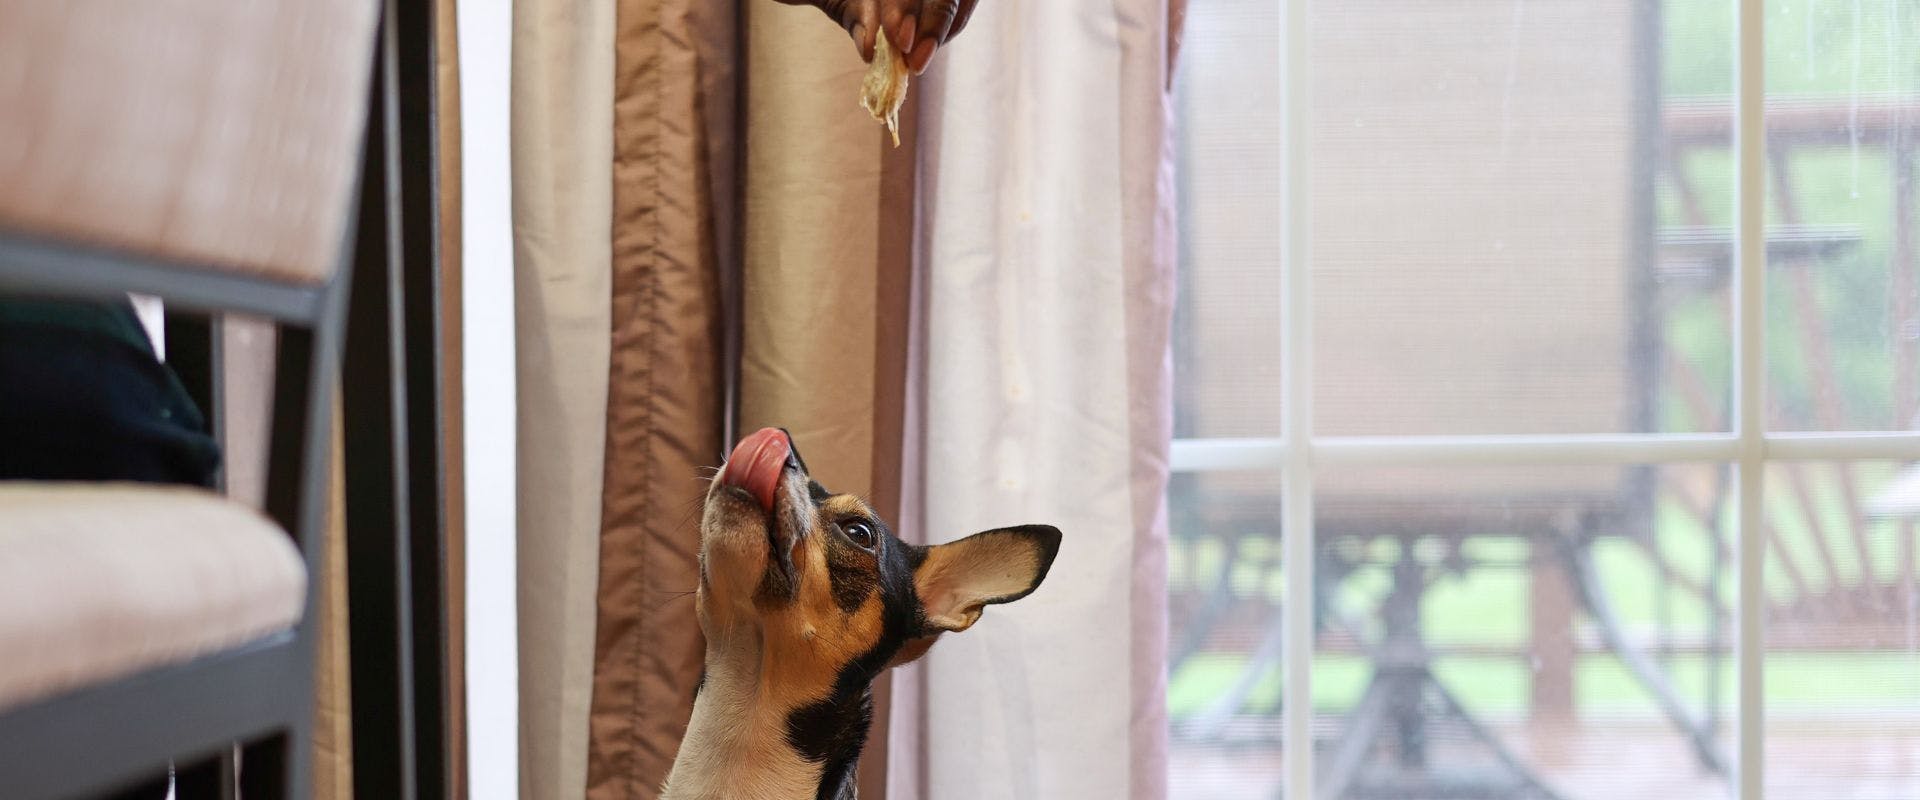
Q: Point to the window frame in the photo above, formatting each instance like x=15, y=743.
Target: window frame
x=1298, y=452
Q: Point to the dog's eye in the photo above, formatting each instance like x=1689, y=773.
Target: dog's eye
x=860, y=532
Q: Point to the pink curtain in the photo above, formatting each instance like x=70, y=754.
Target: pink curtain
x=1039, y=392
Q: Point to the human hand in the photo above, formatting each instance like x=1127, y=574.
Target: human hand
x=915, y=27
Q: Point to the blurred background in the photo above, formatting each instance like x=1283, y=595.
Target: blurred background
x=1522, y=224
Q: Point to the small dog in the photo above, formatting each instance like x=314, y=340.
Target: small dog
x=805, y=597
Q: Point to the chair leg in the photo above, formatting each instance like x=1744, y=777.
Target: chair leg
x=279, y=768
x=203, y=780
x=300, y=760
x=265, y=773
x=151, y=789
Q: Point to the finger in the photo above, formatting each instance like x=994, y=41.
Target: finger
x=898, y=23
x=960, y=21
x=921, y=56
x=936, y=19
x=837, y=9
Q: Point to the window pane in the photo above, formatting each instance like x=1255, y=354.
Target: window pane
x=1227, y=325
x=1497, y=248
x=1843, y=123
x=1843, y=636
x=1225, y=588
x=1492, y=632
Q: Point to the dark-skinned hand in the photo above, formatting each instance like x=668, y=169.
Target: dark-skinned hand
x=915, y=27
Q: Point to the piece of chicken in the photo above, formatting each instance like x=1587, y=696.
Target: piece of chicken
x=885, y=88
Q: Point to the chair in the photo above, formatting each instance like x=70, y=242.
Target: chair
x=208, y=153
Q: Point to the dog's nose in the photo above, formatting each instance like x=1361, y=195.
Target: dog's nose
x=757, y=464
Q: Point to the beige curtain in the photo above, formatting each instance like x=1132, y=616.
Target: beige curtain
x=1041, y=394
x=562, y=162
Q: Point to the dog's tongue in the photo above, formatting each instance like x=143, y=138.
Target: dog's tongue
x=757, y=463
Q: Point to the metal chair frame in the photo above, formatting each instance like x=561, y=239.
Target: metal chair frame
x=258, y=696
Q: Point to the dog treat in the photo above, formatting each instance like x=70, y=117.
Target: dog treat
x=885, y=87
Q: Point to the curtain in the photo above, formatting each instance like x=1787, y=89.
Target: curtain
x=446, y=86
x=707, y=224
x=333, y=691
x=624, y=162
x=562, y=213
x=674, y=98
x=1041, y=394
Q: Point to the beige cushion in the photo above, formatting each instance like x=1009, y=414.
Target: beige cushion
x=99, y=581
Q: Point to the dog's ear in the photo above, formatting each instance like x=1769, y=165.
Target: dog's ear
x=957, y=580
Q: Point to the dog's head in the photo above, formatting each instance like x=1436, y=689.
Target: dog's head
x=820, y=583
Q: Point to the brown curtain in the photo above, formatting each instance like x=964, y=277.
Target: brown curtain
x=446, y=86
x=332, y=718
x=674, y=150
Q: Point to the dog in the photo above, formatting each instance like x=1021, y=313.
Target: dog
x=805, y=597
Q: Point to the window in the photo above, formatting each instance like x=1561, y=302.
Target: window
x=1578, y=460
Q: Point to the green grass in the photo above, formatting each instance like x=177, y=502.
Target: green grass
x=1488, y=606
x=1499, y=686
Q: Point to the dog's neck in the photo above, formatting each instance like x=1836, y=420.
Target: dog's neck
x=753, y=739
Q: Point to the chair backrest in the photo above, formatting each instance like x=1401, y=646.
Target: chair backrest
x=217, y=135
x=207, y=152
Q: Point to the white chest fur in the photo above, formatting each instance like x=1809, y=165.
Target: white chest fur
x=736, y=746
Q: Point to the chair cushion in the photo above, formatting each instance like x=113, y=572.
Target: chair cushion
x=100, y=581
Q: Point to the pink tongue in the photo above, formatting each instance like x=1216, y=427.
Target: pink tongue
x=757, y=463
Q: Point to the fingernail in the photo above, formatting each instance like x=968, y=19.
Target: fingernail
x=922, y=56
x=908, y=27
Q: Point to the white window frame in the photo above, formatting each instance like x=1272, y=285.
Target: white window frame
x=1297, y=452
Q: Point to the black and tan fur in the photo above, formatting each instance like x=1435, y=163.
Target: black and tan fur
x=801, y=615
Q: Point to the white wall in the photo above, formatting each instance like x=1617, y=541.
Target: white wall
x=485, y=31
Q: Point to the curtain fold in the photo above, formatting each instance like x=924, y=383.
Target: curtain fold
x=562, y=211
x=446, y=99
x=1040, y=394
x=674, y=102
